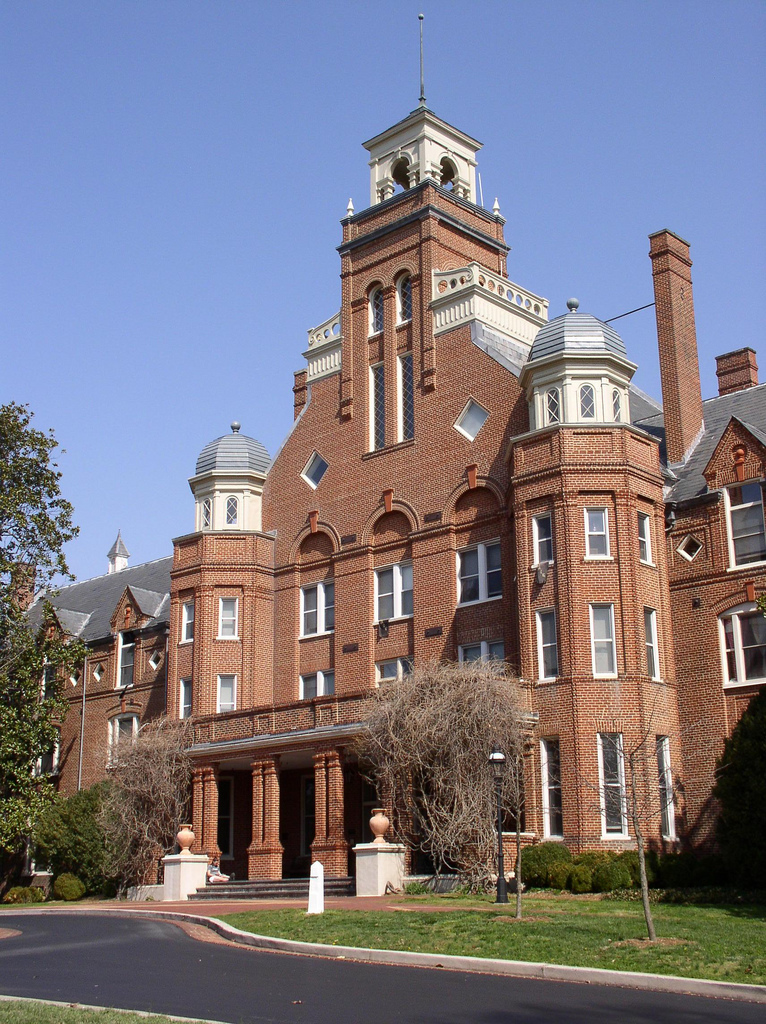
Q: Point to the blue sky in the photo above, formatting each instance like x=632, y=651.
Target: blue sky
x=175, y=173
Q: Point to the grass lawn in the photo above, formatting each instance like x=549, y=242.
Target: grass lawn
x=26, y=1012
x=721, y=942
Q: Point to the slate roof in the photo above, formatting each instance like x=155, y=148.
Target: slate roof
x=748, y=406
x=118, y=548
x=233, y=453
x=85, y=609
x=576, y=334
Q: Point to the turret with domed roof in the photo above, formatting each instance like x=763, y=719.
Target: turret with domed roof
x=228, y=482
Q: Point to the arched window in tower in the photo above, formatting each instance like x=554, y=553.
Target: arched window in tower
x=448, y=178
x=552, y=405
x=616, y=405
x=207, y=513
x=587, y=402
x=400, y=172
x=376, y=311
x=404, y=299
x=232, y=511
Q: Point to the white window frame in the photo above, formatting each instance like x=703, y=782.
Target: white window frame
x=373, y=329
x=184, y=684
x=400, y=317
x=482, y=572
x=733, y=563
x=187, y=622
x=537, y=540
x=684, y=542
x=539, y=613
x=650, y=636
x=221, y=634
x=645, y=537
x=315, y=457
x=225, y=675
x=400, y=361
x=55, y=755
x=612, y=639
x=548, y=832
x=735, y=614
x=458, y=424
x=232, y=505
x=206, y=514
x=580, y=395
x=403, y=668
x=484, y=645
x=121, y=646
x=398, y=591
x=592, y=533
x=555, y=394
x=114, y=729
x=622, y=833
x=321, y=608
x=667, y=795
x=322, y=683
x=616, y=405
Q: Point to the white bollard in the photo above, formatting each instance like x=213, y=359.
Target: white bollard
x=316, y=889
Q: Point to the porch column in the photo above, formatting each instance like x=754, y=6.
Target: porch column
x=197, y=808
x=210, y=812
x=264, y=854
x=330, y=846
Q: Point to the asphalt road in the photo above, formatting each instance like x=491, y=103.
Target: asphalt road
x=153, y=965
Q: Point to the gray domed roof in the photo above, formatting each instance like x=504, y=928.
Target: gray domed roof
x=233, y=453
x=576, y=334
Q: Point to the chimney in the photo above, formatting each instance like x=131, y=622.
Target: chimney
x=736, y=371
x=677, y=339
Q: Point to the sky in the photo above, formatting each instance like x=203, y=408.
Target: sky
x=174, y=175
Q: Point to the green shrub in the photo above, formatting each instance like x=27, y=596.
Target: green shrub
x=68, y=887
x=24, y=894
x=592, y=858
x=611, y=875
x=537, y=860
x=678, y=870
x=581, y=878
x=630, y=859
x=417, y=889
x=558, y=875
x=70, y=840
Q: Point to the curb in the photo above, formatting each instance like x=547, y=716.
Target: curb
x=107, y=1009
x=471, y=964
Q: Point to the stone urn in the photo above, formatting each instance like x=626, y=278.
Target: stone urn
x=379, y=824
x=185, y=839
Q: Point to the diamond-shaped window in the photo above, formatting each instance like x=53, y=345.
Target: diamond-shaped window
x=315, y=469
x=471, y=420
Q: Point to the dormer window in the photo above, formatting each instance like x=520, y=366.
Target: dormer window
x=127, y=657
x=207, y=514
x=376, y=311
x=552, y=405
x=232, y=511
x=616, y=405
x=587, y=402
x=403, y=299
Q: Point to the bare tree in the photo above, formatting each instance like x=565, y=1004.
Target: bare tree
x=148, y=800
x=427, y=744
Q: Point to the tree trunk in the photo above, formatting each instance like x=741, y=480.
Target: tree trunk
x=518, y=864
x=641, y=852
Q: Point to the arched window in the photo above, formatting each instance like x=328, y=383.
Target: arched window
x=376, y=311
x=400, y=172
x=448, y=177
x=207, y=513
x=587, y=402
x=552, y=405
x=616, y=405
x=232, y=511
x=403, y=299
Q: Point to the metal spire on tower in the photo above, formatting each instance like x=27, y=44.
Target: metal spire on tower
x=422, y=81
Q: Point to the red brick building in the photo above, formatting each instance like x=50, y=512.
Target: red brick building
x=464, y=479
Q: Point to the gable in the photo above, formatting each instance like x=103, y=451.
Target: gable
x=739, y=455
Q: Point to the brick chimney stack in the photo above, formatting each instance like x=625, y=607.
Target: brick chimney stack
x=677, y=338
x=736, y=371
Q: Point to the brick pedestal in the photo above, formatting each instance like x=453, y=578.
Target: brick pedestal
x=264, y=854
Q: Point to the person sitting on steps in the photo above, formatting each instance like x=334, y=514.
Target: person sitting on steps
x=214, y=873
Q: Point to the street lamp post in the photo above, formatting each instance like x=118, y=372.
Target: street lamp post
x=497, y=763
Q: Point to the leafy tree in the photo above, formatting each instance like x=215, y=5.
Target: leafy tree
x=35, y=523
x=741, y=790
x=427, y=743
x=70, y=839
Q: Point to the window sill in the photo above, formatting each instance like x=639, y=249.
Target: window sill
x=610, y=675
x=598, y=558
x=481, y=600
x=403, y=323
x=235, y=638
x=735, y=684
x=185, y=643
x=316, y=636
x=619, y=837
x=649, y=565
x=536, y=565
x=747, y=567
x=375, y=334
x=398, y=618
x=388, y=448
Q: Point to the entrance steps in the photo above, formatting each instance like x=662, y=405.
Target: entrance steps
x=273, y=889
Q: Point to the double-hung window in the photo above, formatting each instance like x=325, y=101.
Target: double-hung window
x=479, y=574
x=227, y=693
x=228, y=615
x=596, y=533
x=396, y=668
x=317, y=684
x=547, y=644
x=743, y=635
x=318, y=608
x=405, y=399
x=393, y=592
x=603, y=647
x=665, y=778
x=611, y=764
x=185, y=698
x=746, y=523
x=550, y=766
x=127, y=657
x=484, y=650
x=187, y=621
x=644, y=538
x=122, y=729
x=542, y=538
x=650, y=635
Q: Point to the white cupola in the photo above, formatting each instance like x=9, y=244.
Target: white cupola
x=228, y=483
x=578, y=372
x=421, y=148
